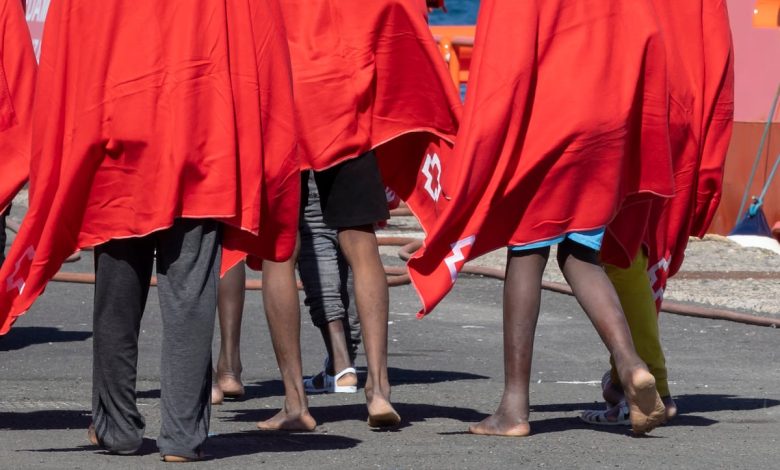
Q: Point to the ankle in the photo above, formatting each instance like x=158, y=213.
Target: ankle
x=229, y=364
x=337, y=366
x=295, y=408
x=347, y=379
x=628, y=368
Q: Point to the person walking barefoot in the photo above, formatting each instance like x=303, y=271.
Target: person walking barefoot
x=552, y=144
x=368, y=78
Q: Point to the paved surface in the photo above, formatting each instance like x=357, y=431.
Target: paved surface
x=447, y=373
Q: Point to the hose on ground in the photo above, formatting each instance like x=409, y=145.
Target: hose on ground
x=398, y=276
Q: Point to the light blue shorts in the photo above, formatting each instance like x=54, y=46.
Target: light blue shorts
x=589, y=238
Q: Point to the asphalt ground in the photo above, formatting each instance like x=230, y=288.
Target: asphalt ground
x=447, y=373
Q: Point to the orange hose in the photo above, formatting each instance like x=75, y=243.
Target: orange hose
x=398, y=276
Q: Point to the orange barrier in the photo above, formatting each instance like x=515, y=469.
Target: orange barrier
x=766, y=14
x=456, y=44
x=739, y=161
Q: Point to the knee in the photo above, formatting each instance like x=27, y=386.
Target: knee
x=353, y=237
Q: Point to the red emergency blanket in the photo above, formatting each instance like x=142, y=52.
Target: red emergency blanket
x=701, y=113
x=370, y=76
x=17, y=84
x=565, y=122
x=366, y=73
x=147, y=111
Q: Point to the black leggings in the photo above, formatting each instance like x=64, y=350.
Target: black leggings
x=565, y=249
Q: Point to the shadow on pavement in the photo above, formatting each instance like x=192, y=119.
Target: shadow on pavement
x=689, y=406
x=223, y=446
x=148, y=394
x=561, y=424
x=702, y=403
x=275, y=387
x=45, y=419
x=695, y=403
x=413, y=376
x=265, y=389
x=410, y=413
x=24, y=336
x=570, y=423
x=236, y=444
x=148, y=447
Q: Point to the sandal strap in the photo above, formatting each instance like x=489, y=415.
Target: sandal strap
x=600, y=416
x=348, y=370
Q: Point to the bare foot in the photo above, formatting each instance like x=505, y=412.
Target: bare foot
x=671, y=407
x=230, y=384
x=647, y=411
x=381, y=413
x=385, y=418
x=180, y=459
x=93, y=439
x=92, y=435
x=283, y=421
x=500, y=424
x=216, y=395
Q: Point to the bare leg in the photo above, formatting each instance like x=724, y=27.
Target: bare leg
x=361, y=250
x=231, y=309
x=594, y=291
x=334, y=335
x=280, y=297
x=522, y=296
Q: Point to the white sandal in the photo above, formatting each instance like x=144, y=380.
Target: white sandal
x=602, y=417
x=330, y=382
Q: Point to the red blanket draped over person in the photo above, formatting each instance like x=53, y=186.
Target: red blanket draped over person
x=146, y=111
x=17, y=84
x=565, y=120
x=369, y=75
x=701, y=111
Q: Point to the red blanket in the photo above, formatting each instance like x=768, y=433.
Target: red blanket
x=701, y=91
x=17, y=83
x=565, y=120
x=369, y=75
x=366, y=73
x=147, y=111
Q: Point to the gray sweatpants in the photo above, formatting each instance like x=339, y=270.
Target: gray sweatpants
x=187, y=273
x=325, y=274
